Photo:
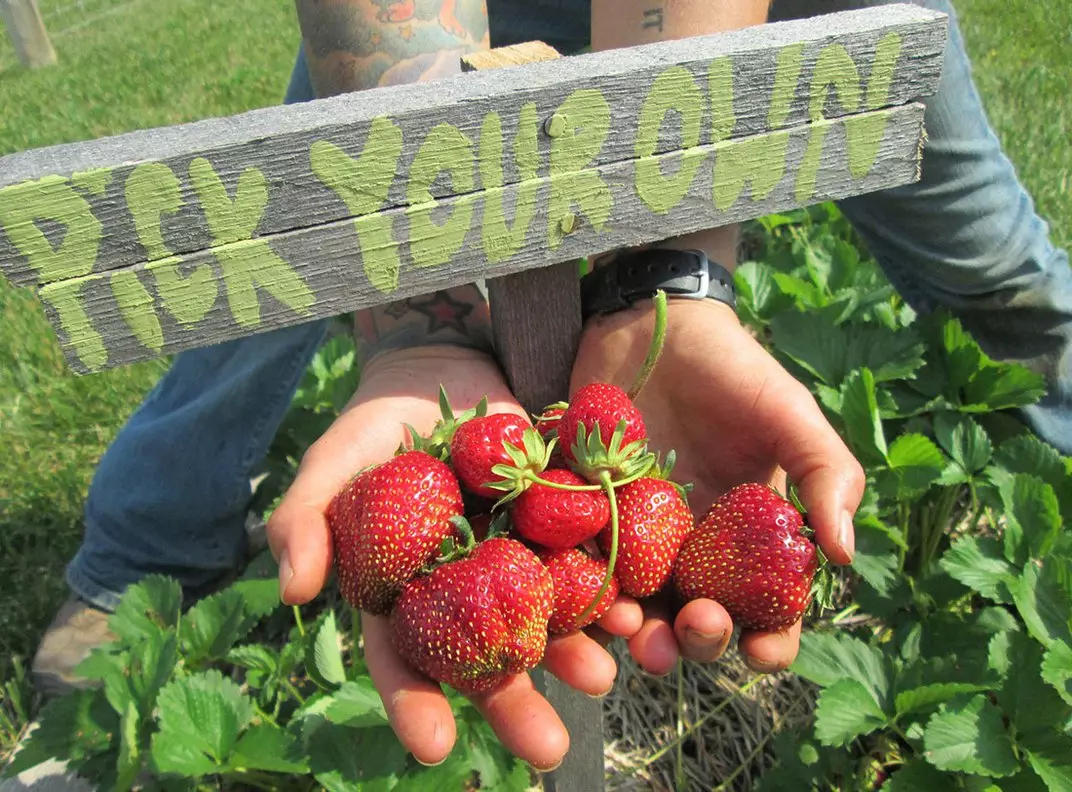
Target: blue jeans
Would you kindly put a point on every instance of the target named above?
(171, 493)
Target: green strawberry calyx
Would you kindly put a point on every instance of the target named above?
(437, 442)
(623, 463)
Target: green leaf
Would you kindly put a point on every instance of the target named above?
(978, 563)
(261, 595)
(1002, 386)
(826, 658)
(845, 711)
(151, 605)
(171, 753)
(204, 713)
(1028, 702)
(75, 727)
(927, 696)
(876, 559)
(830, 352)
(914, 464)
(324, 658)
(498, 770)
(356, 704)
(1050, 757)
(963, 440)
(863, 425)
(344, 760)
(128, 764)
(1034, 517)
(970, 737)
(212, 626)
(152, 663)
(1057, 668)
(1026, 453)
(267, 747)
(256, 657)
(1044, 603)
(758, 294)
(454, 773)
(918, 776)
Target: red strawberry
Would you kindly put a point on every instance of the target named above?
(748, 553)
(603, 405)
(477, 446)
(475, 622)
(387, 523)
(653, 520)
(577, 579)
(548, 420)
(556, 518)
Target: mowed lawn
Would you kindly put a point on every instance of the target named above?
(127, 65)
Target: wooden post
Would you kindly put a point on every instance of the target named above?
(27, 31)
(536, 346)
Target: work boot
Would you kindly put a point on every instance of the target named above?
(77, 630)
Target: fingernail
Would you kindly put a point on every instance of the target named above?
(846, 538)
(762, 667)
(430, 764)
(286, 574)
(549, 769)
(704, 640)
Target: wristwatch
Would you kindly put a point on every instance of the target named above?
(637, 276)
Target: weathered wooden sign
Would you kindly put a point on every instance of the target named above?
(160, 240)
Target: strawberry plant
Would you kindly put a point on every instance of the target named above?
(234, 692)
(951, 667)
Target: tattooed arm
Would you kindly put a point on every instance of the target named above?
(351, 45)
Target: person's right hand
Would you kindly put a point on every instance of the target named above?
(400, 388)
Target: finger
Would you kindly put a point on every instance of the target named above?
(624, 618)
(654, 646)
(416, 707)
(768, 652)
(581, 663)
(829, 478)
(525, 723)
(703, 630)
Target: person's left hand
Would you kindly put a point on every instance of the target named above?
(733, 414)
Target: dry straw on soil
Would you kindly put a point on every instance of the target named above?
(723, 737)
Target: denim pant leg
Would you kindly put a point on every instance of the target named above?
(170, 494)
(966, 237)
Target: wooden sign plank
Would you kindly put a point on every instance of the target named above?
(254, 285)
(158, 193)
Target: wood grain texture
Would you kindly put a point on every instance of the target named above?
(536, 322)
(27, 31)
(142, 188)
(514, 55)
(218, 295)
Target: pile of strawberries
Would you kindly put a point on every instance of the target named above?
(491, 534)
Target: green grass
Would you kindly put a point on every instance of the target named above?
(1022, 58)
(145, 64)
(148, 63)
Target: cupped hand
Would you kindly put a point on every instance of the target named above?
(401, 388)
(733, 414)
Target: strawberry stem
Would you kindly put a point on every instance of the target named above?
(658, 338)
(612, 558)
(298, 620)
(535, 479)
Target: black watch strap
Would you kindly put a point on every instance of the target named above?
(637, 276)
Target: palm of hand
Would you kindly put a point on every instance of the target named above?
(715, 398)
